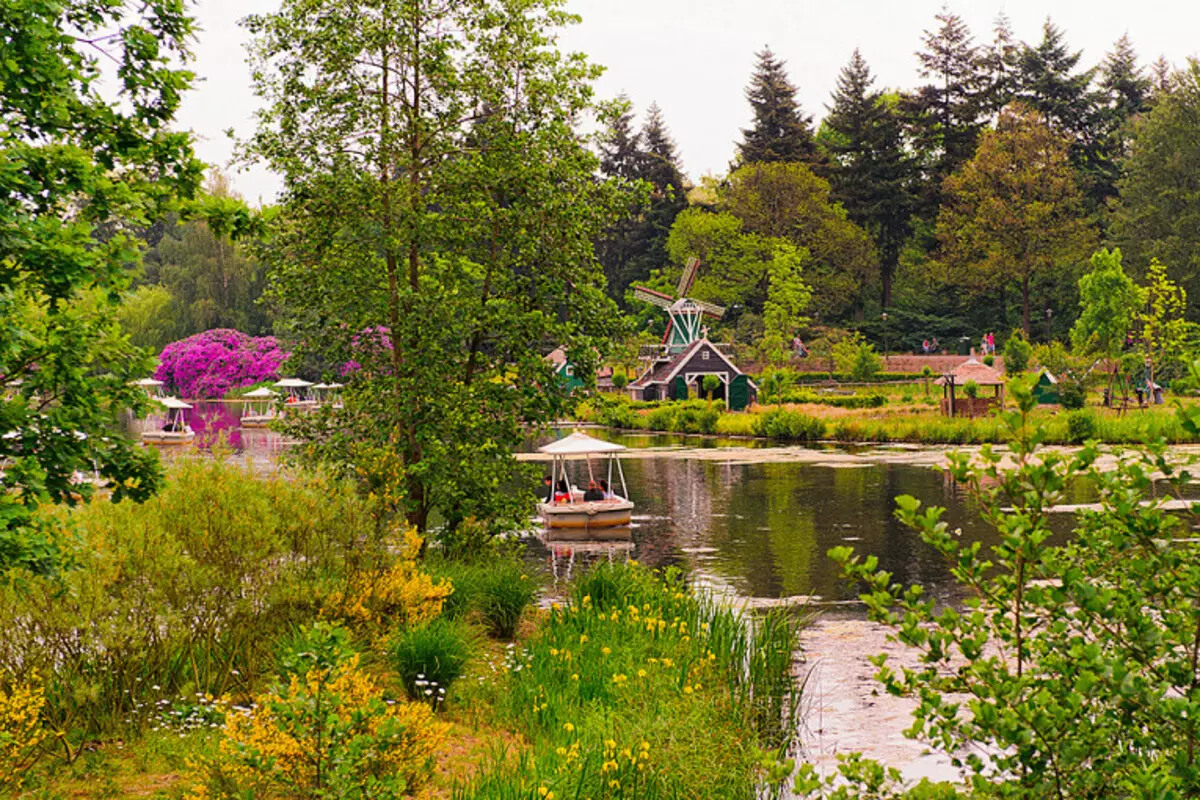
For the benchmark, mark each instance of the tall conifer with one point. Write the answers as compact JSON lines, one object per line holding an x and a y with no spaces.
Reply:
{"x":781,"y":131}
{"x":870,"y":172}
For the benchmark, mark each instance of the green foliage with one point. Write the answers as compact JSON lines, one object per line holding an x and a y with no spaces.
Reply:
{"x":634,"y":687}
{"x":1071,"y":619}
{"x":430,"y":658}
{"x":188,"y":592}
{"x":857,"y":358}
{"x":989,"y":360}
{"x":709,"y":385}
{"x":781,"y":131}
{"x":1162,"y":325}
{"x":1017,"y":353}
{"x":81,"y":170}
{"x":1159,"y":207}
{"x":443,"y":246}
{"x":1014,"y":212}
{"x":620,"y":379}
{"x":1081,"y":426}
{"x":319,"y":645}
{"x":781,"y":423}
{"x":971,"y":389}
{"x":505,"y":591}
{"x":1071,"y":395}
{"x":1109,"y":301}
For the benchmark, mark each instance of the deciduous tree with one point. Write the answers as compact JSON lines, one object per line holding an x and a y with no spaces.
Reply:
{"x":438,"y":228}
{"x":1014,"y":212}
{"x":79,"y":171}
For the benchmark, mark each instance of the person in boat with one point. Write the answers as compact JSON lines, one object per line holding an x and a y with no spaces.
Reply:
{"x":593,"y":493}
{"x":608,"y":493}
{"x":562,"y":494}
{"x":548,"y":486}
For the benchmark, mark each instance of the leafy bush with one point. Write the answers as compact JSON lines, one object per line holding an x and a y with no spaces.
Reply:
{"x":1071,"y":395}
{"x":21,"y":731}
{"x":185,"y":593}
{"x":211,"y":363}
{"x":505,"y":591}
{"x":1017,"y":352}
{"x":971,"y":389}
{"x":1081,"y":426}
{"x":989,"y":360}
{"x":785,"y":424}
{"x":329,"y":732}
{"x":430,"y":657}
{"x":857,"y":358}
{"x":1073,"y":617}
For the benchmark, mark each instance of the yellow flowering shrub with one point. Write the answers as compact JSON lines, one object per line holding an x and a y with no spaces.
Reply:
{"x":401,"y":593}
{"x":20,"y":731}
{"x":325,"y":734}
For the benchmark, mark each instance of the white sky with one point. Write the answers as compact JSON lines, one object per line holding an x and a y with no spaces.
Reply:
{"x":694,"y":57}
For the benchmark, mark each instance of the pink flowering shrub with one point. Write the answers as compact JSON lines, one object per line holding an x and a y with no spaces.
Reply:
{"x":371,"y":343}
{"x":209,"y":364}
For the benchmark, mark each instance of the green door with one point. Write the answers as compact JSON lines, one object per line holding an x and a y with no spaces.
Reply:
{"x":680,"y":388}
{"x":739,"y":393}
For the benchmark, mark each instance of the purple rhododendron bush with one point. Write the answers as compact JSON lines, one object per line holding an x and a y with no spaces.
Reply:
{"x":211,"y":363}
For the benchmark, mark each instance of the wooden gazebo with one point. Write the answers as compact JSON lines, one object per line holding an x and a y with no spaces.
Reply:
{"x":955,"y":402}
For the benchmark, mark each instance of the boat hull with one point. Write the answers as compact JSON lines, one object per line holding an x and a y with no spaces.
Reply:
{"x":168,"y":437}
{"x":257,"y":422}
{"x":586,"y":516}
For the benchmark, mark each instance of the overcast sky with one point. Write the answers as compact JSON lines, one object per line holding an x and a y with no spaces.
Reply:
{"x":694,"y":56}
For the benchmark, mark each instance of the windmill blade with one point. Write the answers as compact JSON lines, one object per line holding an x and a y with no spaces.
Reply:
{"x":652,"y":297}
{"x":688,"y":277}
{"x":711,"y":310}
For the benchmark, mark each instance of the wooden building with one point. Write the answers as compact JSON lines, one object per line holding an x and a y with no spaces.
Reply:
{"x":671,"y":376}
{"x":565,"y":371}
{"x":956,"y":402}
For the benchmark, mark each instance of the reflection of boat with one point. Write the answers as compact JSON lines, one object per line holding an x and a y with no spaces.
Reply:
{"x":566,"y":510}
{"x":258,"y":412}
{"x":175,"y":430}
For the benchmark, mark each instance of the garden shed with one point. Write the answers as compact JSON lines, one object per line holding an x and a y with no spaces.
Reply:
{"x":956,"y":389}
{"x":671,"y":377}
{"x":1045,"y":391}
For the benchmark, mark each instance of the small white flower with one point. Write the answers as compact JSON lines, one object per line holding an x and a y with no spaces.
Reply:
{"x":428,"y":692}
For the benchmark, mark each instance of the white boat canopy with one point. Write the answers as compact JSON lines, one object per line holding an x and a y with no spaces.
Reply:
{"x":293,"y":383}
{"x":173,"y":403}
{"x":262,"y":391}
{"x":335,"y":386}
{"x":578,"y":444}
{"x":147,"y":382}
{"x":320,"y":386}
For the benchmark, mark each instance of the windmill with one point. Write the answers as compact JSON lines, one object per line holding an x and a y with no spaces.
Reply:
{"x":685,"y":314}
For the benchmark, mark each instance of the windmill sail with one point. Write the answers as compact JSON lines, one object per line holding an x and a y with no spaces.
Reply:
{"x":710,"y":309}
{"x":652,"y":297}
{"x":688,"y":277}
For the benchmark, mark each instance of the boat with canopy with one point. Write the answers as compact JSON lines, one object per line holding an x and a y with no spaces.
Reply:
{"x":175,"y":430}
{"x":258,"y":411}
{"x":297,"y":394}
{"x":566,"y":506}
{"x":151,"y":386}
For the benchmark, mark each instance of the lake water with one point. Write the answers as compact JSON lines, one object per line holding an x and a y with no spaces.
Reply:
{"x":754,"y":522}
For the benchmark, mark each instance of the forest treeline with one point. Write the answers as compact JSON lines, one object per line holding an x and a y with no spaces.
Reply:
{"x":969,"y":203}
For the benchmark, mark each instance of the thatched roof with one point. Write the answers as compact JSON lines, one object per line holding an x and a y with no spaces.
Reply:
{"x":972,"y":370}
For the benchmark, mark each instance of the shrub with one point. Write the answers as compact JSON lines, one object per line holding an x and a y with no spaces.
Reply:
{"x":329,"y":732}
{"x":430,"y":657}
{"x":971,"y":389}
{"x":1071,"y":395}
{"x":504,"y":593}
{"x":211,"y":363}
{"x":857,"y":358}
{"x":1081,"y":426}
{"x":1017,"y":352}
{"x":21,"y":731}
{"x":785,"y":424}
{"x":620,"y":379}
{"x":989,"y":360}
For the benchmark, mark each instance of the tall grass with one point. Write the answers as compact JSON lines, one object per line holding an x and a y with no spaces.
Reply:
{"x":636,"y":687}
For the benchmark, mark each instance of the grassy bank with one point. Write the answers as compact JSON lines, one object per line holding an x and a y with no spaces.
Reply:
{"x":241,"y":635}
{"x":883,"y":423}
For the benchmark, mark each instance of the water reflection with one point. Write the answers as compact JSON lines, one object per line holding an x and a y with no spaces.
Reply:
{"x":220,"y":422}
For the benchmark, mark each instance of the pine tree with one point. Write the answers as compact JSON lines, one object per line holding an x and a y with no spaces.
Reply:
{"x":781,"y":130}
{"x":634,"y":246}
{"x":999,"y":62}
{"x":620,"y":145}
{"x":1123,"y":81}
{"x":949,"y":111}
{"x":870,"y":172}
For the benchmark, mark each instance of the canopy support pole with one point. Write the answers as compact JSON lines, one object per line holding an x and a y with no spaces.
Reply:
{"x":624,"y":488}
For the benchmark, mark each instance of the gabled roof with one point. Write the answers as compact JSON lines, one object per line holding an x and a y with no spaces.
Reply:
{"x":557,"y":357}
{"x":972,"y":370}
{"x":665,"y":371}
